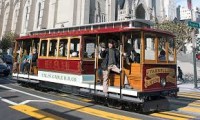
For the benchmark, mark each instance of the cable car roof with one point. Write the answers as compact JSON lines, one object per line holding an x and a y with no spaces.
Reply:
{"x":97,"y":28}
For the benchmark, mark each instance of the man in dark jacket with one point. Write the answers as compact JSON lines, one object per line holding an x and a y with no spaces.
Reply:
{"x":180,"y":74}
{"x":111,"y":62}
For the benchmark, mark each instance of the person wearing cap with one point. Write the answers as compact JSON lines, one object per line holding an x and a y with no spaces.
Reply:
{"x":111,"y":62}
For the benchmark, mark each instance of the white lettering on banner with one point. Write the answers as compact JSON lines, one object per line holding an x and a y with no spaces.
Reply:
{"x":59,"y":76}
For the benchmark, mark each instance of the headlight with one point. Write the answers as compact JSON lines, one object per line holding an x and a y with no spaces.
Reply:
{"x":163,"y":82}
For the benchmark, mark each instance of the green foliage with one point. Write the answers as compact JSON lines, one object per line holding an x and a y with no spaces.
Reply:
{"x":7,"y":41}
{"x":180,"y":30}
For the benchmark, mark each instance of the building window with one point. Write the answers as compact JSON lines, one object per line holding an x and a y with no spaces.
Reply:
{"x":15,"y":17}
{"x":5,"y":19}
{"x":26,"y":17}
{"x":39,"y":13}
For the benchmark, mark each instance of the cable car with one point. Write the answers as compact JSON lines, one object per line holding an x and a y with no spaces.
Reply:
{"x":69,"y":61}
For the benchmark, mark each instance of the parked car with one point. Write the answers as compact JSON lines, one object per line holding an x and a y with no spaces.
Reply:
{"x":198,"y":56}
{"x":4,"y":68}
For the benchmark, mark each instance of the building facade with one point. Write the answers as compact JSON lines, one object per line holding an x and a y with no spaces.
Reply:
{"x":159,"y":10}
{"x":186,"y":14}
{"x":22,"y":16}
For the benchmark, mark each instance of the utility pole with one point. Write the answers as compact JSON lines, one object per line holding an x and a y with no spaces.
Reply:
{"x":194,"y":57}
{"x":194,"y":25}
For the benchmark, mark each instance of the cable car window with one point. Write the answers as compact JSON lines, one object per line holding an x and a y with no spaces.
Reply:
{"x":63,"y":48}
{"x":89,"y":48}
{"x":132,"y":47}
{"x":171,"y":49}
{"x":149,"y":44}
{"x":53,"y":48}
{"x":162,"y":49}
{"x":43,"y":48}
{"x":74,"y":47}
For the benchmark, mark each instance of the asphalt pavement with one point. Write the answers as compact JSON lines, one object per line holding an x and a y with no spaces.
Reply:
{"x":22,"y":103}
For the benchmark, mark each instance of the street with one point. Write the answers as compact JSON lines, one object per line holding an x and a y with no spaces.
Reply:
{"x":28,"y":104}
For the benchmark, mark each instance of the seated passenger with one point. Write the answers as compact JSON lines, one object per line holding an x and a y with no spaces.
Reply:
{"x":136,"y":57}
{"x":162,"y":55}
{"x":23,"y":61}
{"x":85,"y":55}
{"x":34,"y":57}
{"x":128,"y":49}
{"x":74,"y":54}
{"x":27,"y":63}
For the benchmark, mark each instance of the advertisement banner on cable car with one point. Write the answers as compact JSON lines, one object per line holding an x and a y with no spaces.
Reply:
{"x":159,"y":77}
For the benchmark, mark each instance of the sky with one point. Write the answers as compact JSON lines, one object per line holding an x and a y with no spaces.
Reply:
{"x":195,"y":3}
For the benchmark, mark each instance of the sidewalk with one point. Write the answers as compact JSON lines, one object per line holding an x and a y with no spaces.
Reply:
{"x":188,"y":68}
{"x":188,"y":76}
{"x":188,"y":87}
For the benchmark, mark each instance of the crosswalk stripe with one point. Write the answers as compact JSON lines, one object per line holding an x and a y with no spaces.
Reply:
{"x":36,"y":113}
{"x":166,"y":116}
{"x":180,"y":115}
{"x":92,"y":111}
{"x":192,"y":94}
{"x":190,"y":109}
{"x":195,"y":104}
{"x":189,"y":96}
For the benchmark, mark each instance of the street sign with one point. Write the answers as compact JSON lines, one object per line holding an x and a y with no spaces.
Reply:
{"x":193,"y":24}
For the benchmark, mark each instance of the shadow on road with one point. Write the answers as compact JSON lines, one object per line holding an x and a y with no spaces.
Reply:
{"x":6,"y":80}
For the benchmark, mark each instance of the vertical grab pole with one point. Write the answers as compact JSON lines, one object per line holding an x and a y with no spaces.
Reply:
{"x":96,"y":63}
{"x":121,"y":64}
{"x":120,"y":71}
{"x":95,"y":69}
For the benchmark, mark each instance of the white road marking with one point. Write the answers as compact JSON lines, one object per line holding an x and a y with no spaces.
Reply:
{"x":26,"y":93}
{"x":27,"y":101}
{"x":8,"y":101}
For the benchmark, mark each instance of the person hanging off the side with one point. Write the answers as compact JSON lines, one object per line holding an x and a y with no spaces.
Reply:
{"x":111,"y":62}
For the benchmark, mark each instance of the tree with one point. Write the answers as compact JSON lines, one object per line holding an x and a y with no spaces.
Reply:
{"x":181,"y":31}
{"x":7,"y":41}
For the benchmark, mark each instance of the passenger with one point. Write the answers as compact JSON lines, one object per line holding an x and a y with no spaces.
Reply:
{"x":74,"y":54}
{"x":128,"y":49}
{"x":136,"y":57}
{"x":16,"y":64}
{"x":27,"y":63}
{"x":34,"y":58}
{"x":23,"y":61}
{"x":162,"y":55}
{"x":111,"y":61}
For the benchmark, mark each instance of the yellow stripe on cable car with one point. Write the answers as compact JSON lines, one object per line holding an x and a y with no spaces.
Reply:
{"x":92,"y":111}
{"x":36,"y":113}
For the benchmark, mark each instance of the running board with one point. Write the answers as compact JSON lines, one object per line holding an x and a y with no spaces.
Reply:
{"x":26,"y":80}
{"x":112,"y":95}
